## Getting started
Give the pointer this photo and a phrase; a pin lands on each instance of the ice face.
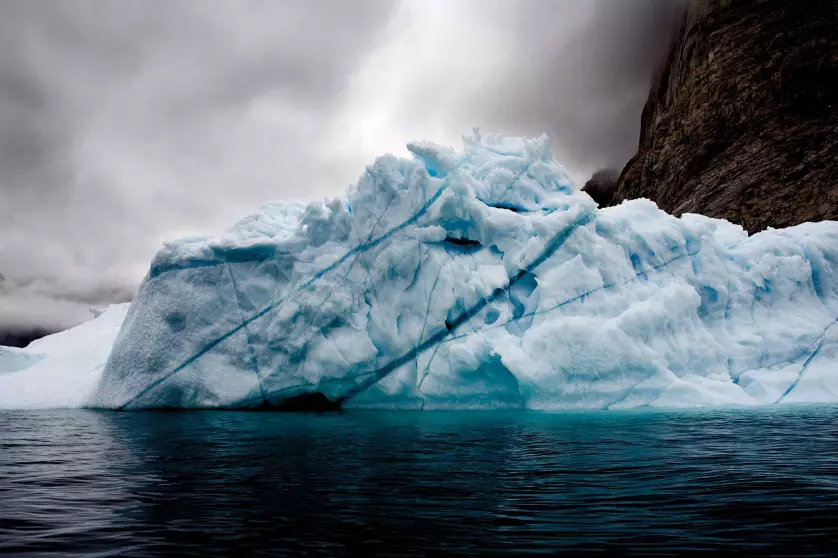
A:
(62, 370)
(481, 279)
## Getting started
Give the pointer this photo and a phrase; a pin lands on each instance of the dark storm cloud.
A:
(124, 124)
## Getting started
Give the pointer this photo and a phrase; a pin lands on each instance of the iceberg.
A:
(62, 370)
(480, 279)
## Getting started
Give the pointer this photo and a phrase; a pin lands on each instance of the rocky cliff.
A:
(742, 122)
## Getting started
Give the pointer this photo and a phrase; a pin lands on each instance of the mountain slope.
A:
(742, 124)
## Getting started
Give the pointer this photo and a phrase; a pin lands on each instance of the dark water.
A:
(758, 482)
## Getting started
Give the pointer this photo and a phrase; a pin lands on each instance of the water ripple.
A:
(757, 482)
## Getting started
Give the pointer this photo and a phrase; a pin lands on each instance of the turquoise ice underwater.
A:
(459, 280)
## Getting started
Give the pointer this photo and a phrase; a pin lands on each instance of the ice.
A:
(481, 279)
(13, 359)
(61, 370)
(459, 280)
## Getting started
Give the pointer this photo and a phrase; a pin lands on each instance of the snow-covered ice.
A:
(479, 279)
(61, 370)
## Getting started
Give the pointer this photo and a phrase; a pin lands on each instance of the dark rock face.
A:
(601, 186)
(742, 124)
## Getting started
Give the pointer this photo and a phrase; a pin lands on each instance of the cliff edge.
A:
(742, 122)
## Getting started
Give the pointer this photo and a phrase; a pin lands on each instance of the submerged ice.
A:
(480, 279)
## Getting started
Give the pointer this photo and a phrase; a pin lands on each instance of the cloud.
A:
(123, 124)
(578, 71)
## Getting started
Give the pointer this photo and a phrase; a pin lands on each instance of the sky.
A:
(126, 124)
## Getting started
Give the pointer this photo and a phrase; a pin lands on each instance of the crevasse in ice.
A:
(480, 279)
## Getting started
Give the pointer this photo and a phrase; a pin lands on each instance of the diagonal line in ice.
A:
(435, 340)
(552, 246)
(357, 250)
(426, 372)
(328, 297)
(360, 249)
(626, 393)
(430, 299)
(818, 346)
(516, 178)
(363, 264)
(580, 296)
(425, 324)
(380, 217)
(439, 338)
(253, 360)
(555, 307)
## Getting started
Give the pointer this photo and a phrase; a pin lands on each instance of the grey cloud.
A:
(587, 86)
(579, 71)
(126, 123)
(123, 124)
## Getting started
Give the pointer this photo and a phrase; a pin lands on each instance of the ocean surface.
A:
(85, 483)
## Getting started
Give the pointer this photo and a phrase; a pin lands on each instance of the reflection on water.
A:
(403, 483)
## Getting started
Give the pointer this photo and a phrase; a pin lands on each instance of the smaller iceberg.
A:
(62, 370)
